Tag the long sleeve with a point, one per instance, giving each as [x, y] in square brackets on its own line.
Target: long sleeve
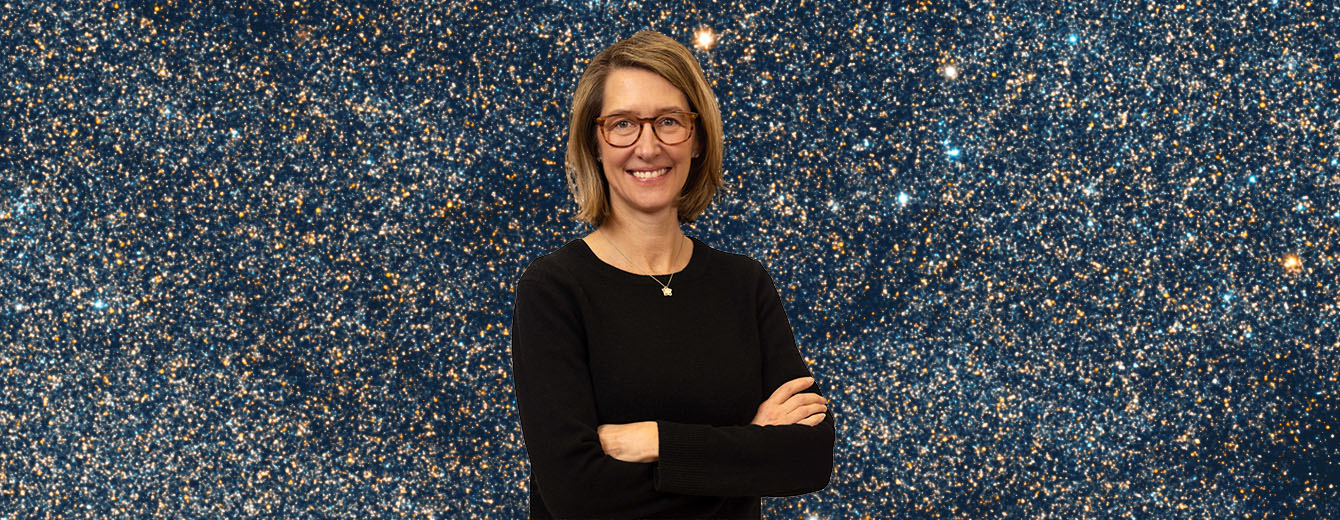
[576, 479]
[752, 460]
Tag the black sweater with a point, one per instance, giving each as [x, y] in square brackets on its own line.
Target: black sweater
[593, 344]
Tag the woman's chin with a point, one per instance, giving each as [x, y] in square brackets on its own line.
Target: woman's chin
[650, 201]
[658, 206]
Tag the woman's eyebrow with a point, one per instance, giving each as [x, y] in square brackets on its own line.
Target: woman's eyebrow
[659, 111]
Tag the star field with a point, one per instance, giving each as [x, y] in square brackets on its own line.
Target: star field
[1046, 260]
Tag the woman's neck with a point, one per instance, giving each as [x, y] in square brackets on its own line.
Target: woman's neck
[650, 244]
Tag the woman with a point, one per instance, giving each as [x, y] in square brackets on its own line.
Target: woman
[657, 377]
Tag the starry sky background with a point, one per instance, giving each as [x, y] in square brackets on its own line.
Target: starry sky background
[1047, 260]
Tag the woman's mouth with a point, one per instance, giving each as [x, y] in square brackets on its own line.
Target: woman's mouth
[648, 174]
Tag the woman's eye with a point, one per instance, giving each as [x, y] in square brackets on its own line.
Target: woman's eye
[621, 124]
[670, 122]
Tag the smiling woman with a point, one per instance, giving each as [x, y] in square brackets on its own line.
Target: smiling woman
[657, 377]
[611, 87]
[645, 175]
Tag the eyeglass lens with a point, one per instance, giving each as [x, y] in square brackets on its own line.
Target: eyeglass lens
[669, 128]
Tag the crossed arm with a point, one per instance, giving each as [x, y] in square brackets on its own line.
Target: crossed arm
[640, 441]
[586, 469]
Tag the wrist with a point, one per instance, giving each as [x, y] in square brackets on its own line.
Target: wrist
[654, 441]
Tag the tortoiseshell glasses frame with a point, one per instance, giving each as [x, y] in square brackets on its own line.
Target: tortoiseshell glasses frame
[670, 128]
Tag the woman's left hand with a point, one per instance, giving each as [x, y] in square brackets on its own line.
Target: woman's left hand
[632, 442]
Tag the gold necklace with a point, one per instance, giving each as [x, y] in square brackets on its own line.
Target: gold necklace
[665, 287]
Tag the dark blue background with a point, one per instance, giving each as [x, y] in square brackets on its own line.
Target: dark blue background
[258, 258]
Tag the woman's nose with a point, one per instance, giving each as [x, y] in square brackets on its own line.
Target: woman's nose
[647, 143]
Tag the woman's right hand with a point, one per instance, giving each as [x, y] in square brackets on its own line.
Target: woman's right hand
[787, 406]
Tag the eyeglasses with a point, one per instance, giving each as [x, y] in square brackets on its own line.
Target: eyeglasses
[622, 130]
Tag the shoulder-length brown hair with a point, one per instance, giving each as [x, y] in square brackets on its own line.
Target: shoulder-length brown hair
[663, 55]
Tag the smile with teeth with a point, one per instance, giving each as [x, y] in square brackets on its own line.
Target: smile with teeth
[647, 174]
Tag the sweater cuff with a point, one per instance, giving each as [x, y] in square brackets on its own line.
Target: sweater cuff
[682, 464]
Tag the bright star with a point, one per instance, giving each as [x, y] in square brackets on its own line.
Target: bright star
[949, 71]
[704, 38]
[1292, 263]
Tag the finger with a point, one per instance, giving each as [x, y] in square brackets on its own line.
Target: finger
[804, 398]
[802, 383]
[790, 388]
[813, 420]
[803, 412]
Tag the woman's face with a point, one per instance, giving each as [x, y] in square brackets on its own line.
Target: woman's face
[648, 176]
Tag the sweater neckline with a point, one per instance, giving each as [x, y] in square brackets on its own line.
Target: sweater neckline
[688, 272]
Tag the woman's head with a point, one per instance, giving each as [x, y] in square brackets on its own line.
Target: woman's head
[646, 75]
